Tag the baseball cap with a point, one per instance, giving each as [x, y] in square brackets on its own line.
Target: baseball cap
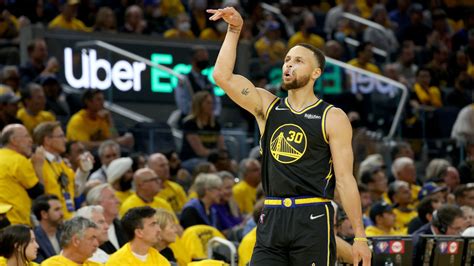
[378, 209]
[430, 188]
[4, 208]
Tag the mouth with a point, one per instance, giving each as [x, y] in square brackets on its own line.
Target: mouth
[288, 74]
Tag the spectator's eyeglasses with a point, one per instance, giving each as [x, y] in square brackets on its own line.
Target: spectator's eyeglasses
[154, 179]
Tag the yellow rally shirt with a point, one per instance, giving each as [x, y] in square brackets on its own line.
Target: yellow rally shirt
[83, 128]
[246, 247]
[31, 122]
[60, 260]
[124, 256]
[74, 24]
[245, 195]
[369, 66]
[174, 194]
[135, 201]
[16, 176]
[402, 219]
[51, 173]
[375, 231]
[3, 262]
[312, 39]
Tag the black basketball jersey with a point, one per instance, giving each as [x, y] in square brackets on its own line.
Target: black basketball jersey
[296, 158]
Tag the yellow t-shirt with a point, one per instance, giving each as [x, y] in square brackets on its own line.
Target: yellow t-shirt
[375, 231]
[195, 239]
[312, 39]
[174, 194]
[51, 173]
[245, 195]
[171, 8]
[274, 51]
[124, 256]
[31, 122]
[74, 24]
[415, 189]
[432, 97]
[369, 66]
[83, 128]
[208, 263]
[402, 219]
[182, 256]
[123, 195]
[246, 247]
[135, 201]
[16, 176]
[3, 262]
[175, 34]
[60, 260]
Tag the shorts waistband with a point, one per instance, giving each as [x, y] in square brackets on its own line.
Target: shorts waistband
[294, 202]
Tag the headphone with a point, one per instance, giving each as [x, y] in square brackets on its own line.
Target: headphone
[438, 223]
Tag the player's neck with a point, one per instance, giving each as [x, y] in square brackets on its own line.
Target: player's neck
[301, 98]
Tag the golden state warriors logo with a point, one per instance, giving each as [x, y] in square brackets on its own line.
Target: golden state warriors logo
[288, 143]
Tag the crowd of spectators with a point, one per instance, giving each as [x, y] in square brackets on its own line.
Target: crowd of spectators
[91, 197]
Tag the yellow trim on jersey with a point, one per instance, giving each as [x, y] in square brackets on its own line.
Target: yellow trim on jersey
[270, 107]
[305, 109]
[328, 177]
[323, 123]
[329, 234]
[288, 202]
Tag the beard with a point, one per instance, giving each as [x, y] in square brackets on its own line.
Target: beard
[296, 83]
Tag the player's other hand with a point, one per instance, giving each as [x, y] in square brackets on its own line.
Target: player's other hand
[228, 14]
[361, 251]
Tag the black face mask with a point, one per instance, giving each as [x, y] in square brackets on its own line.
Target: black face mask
[202, 64]
[4, 223]
[125, 184]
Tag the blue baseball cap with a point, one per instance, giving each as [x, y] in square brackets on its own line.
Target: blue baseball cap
[430, 188]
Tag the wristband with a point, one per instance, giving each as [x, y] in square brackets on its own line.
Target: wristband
[360, 239]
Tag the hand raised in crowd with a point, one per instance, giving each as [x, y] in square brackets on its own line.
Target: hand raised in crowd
[86, 161]
[38, 157]
[228, 14]
[52, 66]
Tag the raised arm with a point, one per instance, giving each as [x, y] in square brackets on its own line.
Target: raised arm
[339, 132]
[240, 89]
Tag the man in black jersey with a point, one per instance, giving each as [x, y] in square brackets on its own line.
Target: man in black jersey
[305, 144]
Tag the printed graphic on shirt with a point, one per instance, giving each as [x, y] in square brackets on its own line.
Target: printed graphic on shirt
[288, 143]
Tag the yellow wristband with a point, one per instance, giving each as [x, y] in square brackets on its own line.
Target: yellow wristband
[361, 239]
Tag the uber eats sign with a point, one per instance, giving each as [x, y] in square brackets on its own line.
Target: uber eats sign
[89, 69]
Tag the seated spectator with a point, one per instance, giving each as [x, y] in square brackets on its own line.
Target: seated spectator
[343, 225]
[365, 58]
[120, 176]
[198, 16]
[171, 192]
[228, 214]
[222, 161]
[383, 218]
[33, 113]
[142, 228]
[432, 190]
[425, 94]
[79, 241]
[147, 185]
[4, 209]
[168, 235]
[134, 22]
[400, 195]
[447, 220]
[200, 210]
[8, 108]
[67, 19]
[384, 40]
[425, 210]
[460, 96]
[245, 192]
[370, 163]
[270, 46]
[108, 151]
[21, 180]
[95, 213]
[104, 196]
[334, 17]
[73, 154]
[201, 132]
[464, 195]
[463, 128]
[401, 149]
[48, 211]
[11, 77]
[376, 182]
[17, 245]
[178, 174]
[438, 65]
[436, 169]
[304, 35]
[215, 31]
[92, 125]
[38, 63]
[416, 30]
[366, 202]
[181, 29]
[59, 178]
[105, 20]
[55, 98]
[403, 169]
[405, 63]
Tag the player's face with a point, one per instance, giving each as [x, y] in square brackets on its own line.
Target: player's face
[297, 68]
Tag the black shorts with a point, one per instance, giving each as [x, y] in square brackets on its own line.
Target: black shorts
[297, 235]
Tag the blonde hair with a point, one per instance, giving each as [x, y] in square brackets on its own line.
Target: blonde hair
[164, 217]
[196, 109]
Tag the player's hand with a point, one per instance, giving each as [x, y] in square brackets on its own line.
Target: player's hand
[228, 14]
[361, 251]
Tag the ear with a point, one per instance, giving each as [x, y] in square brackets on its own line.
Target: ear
[138, 233]
[316, 73]
[75, 240]
[44, 215]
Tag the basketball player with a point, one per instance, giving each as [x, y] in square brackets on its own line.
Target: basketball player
[305, 143]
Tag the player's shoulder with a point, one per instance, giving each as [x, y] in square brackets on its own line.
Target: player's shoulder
[336, 118]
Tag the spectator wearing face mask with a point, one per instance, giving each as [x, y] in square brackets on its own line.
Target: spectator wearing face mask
[181, 29]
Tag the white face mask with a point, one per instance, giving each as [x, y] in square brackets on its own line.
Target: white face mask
[184, 26]
[221, 27]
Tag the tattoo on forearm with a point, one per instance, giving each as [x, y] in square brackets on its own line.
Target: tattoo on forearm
[245, 91]
[234, 29]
